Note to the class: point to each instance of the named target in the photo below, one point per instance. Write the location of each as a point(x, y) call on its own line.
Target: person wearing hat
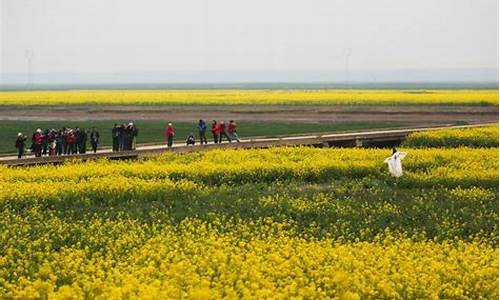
point(37, 142)
point(169, 134)
point(70, 142)
point(20, 144)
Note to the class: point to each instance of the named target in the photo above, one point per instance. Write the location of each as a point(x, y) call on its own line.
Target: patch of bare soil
point(410, 114)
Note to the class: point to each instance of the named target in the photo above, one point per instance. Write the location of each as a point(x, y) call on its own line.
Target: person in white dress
point(394, 162)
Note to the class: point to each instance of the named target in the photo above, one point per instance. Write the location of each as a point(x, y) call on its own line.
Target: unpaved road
point(410, 114)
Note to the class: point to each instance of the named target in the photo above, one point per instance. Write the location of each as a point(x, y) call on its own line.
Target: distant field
point(250, 97)
point(451, 138)
point(153, 131)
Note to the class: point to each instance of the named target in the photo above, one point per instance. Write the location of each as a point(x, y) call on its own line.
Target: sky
point(114, 36)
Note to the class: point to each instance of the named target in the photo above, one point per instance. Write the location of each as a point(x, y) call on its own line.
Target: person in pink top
point(169, 134)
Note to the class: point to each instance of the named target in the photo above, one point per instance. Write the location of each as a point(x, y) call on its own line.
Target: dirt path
point(411, 114)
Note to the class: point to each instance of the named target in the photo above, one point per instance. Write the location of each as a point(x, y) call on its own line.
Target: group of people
point(54, 142)
point(219, 130)
point(124, 136)
point(67, 140)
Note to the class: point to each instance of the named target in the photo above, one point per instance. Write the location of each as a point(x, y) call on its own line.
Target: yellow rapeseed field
point(279, 223)
point(471, 137)
point(250, 97)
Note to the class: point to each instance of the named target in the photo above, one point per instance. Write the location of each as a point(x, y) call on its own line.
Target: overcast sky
point(192, 35)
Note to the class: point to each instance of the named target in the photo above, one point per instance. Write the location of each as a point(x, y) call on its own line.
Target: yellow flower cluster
point(424, 167)
point(279, 223)
point(250, 97)
point(469, 137)
point(195, 262)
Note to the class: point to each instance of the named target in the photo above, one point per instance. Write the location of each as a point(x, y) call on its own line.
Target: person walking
point(394, 163)
point(20, 144)
point(202, 129)
point(231, 130)
point(222, 132)
point(169, 134)
point(94, 139)
point(215, 131)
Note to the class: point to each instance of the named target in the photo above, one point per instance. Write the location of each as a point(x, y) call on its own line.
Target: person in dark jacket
point(78, 139)
point(127, 137)
point(190, 141)
point(94, 139)
point(202, 129)
point(60, 142)
point(20, 144)
point(45, 142)
point(64, 146)
point(130, 133)
point(121, 137)
point(115, 135)
point(83, 141)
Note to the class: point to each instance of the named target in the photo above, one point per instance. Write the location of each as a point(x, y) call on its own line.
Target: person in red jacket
point(231, 130)
point(215, 131)
point(169, 134)
point(222, 132)
point(70, 142)
point(37, 142)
